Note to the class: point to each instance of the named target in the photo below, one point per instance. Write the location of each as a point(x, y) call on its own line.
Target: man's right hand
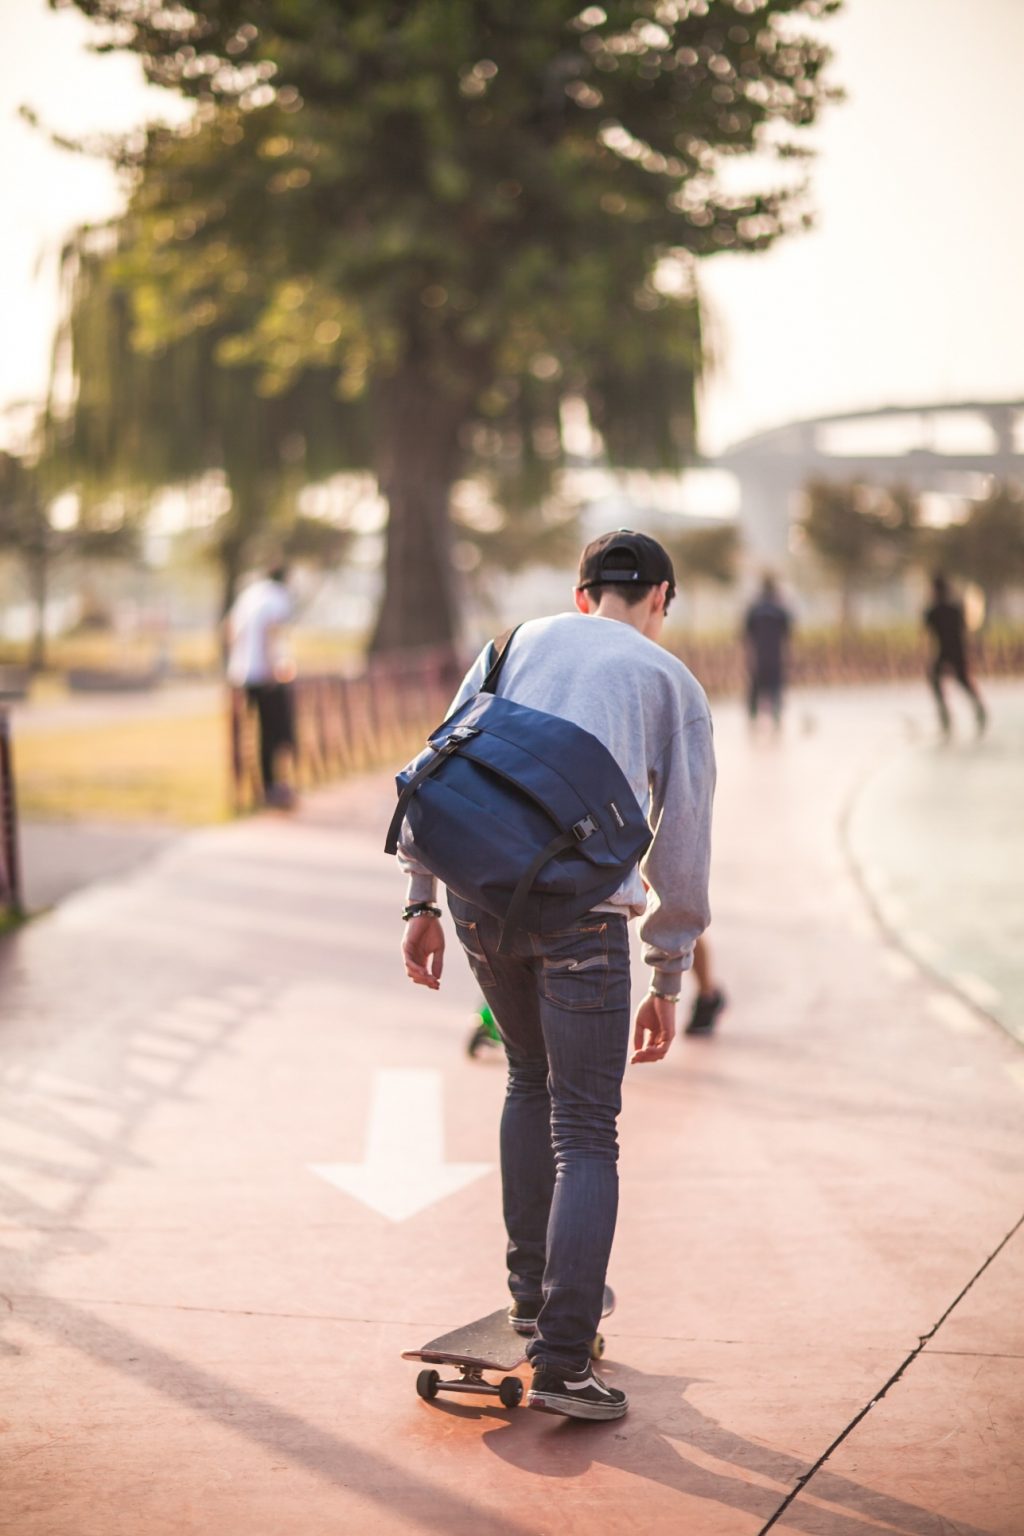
point(654, 1030)
point(423, 951)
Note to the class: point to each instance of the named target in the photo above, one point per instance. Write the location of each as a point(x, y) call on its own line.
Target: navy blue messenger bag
point(520, 812)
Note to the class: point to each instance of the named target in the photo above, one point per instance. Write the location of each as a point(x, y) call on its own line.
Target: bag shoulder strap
point(496, 659)
point(499, 649)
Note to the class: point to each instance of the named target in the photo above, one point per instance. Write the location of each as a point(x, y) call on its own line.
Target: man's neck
point(635, 615)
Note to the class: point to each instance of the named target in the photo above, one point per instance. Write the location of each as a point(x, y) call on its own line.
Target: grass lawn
point(171, 770)
point(194, 653)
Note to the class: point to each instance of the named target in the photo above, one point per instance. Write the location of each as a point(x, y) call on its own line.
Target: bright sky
point(909, 290)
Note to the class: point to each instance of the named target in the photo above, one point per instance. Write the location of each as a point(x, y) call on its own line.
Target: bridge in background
point(943, 448)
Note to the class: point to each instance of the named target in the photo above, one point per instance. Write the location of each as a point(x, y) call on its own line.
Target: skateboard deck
point(488, 1344)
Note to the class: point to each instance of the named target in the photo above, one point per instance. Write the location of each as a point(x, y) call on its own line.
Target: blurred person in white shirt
point(258, 662)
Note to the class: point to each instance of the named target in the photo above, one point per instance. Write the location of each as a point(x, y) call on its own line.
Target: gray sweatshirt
point(651, 714)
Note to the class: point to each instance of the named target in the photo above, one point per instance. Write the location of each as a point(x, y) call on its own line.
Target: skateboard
point(489, 1344)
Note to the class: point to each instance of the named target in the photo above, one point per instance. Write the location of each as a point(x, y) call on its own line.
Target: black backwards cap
point(625, 556)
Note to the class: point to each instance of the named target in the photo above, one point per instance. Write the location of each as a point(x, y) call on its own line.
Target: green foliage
point(988, 547)
point(312, 541)
point(29, 532)
point(541, 534)
point(155, 407)
point(705, 555)
point(464, 211)
point(861, 534)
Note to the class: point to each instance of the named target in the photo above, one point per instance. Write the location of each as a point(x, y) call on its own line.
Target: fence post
point(10, 865)
point(234, 749)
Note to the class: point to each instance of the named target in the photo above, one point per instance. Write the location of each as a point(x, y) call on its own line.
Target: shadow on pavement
point(328, 1456)
point(569, 1448)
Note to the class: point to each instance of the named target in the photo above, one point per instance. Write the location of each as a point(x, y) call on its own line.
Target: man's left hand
point(423, 951)
point(654, 1029)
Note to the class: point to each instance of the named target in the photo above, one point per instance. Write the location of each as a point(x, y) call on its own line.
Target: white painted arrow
point(404, 1169)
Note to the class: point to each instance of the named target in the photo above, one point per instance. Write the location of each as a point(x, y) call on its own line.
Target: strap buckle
point(584, 829)
point(457, 739)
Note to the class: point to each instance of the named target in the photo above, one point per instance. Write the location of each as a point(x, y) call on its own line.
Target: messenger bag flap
point(586, 792)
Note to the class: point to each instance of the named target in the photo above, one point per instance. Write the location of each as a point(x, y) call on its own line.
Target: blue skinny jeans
point(562, 1004)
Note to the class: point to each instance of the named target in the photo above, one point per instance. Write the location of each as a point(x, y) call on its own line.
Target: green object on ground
point(486, 1018)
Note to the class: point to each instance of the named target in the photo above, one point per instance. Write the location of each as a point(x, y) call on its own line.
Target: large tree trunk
point(418, 457)
point(230, 561)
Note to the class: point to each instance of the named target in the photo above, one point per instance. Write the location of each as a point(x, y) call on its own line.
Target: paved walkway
point(61, 857)
point(938, 837)
point(819, 1260)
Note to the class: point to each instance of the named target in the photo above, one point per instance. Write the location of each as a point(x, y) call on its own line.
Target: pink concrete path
point(820, 1207)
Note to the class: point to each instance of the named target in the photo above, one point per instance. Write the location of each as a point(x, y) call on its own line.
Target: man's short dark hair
point(631, 592)
point(627, 563)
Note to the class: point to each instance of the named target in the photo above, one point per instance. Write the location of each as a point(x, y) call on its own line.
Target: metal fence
point(10, 865)
point(827, 659)
point(381, 716)
point(350, 724)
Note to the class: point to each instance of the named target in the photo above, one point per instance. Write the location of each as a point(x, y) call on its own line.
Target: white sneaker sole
point(574, 1407)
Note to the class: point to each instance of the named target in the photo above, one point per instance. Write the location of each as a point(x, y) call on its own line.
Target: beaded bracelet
point(666, 997)
point(420, 909)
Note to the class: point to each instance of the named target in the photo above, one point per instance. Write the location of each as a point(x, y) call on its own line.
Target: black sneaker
point(584, 1396)
point(706, 1008)
point(523, 1316)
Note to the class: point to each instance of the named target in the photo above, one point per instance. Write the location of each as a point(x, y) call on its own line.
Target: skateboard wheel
point(510, 1390)
point(426, 1384)
point(596, 1346)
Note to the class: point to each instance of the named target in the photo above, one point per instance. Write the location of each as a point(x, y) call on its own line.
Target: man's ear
point(580, 599)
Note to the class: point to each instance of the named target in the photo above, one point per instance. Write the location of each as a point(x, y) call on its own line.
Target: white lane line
point(212, 1010)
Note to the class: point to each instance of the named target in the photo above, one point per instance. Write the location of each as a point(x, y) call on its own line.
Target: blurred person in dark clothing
point(945, 621)
point(710, 999)
point(766, 632)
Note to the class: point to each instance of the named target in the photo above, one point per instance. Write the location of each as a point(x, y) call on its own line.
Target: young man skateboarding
point(945, 621)
point(562, 1000)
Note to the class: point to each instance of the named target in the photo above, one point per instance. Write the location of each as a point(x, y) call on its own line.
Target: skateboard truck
point(509, 1389)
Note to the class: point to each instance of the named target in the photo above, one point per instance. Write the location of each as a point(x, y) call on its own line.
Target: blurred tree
point(157, 410)
point(29, 532)
point(988, 547)
point(861, 534)
point(494, 538)
point(469, 210)
point(704, 556)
